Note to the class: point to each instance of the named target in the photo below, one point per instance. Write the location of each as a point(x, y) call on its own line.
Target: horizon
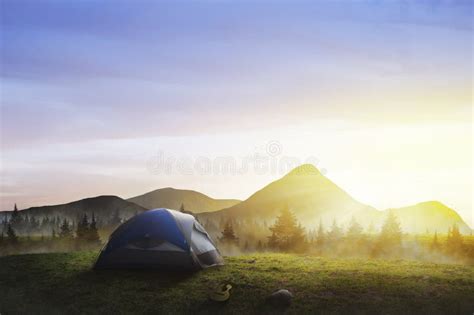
point(95, 99)
point(241, 200)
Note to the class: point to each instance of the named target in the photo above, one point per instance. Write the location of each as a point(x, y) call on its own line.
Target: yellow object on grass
point(221, 293)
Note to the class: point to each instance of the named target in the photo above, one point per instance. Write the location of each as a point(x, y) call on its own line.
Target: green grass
point(64, 283)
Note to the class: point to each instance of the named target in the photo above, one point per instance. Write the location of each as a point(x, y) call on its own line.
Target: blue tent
point(160, 238)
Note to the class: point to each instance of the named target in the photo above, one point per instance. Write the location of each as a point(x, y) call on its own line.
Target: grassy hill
point(314, 198)
point(64, 283)
point(102, 206)
point(309, 194)
point(431, 216)
point(173, 199)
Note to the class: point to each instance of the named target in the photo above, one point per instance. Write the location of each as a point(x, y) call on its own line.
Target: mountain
point(171, 198)
point(429, 216)
point(101, 206)
point(313, 197)
point(308, 193)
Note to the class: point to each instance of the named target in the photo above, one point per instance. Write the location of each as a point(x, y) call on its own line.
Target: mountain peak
point(304, 169)
point(432, 203)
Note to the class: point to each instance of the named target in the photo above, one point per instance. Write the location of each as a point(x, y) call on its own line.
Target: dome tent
point(160, 238)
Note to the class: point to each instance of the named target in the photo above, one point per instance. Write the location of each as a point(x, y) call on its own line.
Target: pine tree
point(391, 233)
point(92, 233)
point(355, 230)
point(454, 242)
point(435, 246)
point(53, 234)
point(65, 230)
point(320, 237)
point(335, 234)
point(228, 234)
point(273, 241)
point(15, 219)
point(287, 233)
point(82, 228)
point(11, 235)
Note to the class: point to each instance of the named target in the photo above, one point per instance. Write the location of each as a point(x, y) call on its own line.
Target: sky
point(123, 97)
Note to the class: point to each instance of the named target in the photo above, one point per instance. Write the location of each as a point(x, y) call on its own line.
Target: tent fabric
point(160, 238)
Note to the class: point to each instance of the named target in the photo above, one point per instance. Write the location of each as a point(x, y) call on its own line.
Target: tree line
point(85, 231)
point(286, 234)
point(20, 232)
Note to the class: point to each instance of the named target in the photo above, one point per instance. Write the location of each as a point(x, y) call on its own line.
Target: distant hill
point(101, 206)
point(430, 216)
point(308, 193)
point(313, 197)
point(171, 198)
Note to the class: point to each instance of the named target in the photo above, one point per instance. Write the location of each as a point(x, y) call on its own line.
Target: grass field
point(65, 283)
